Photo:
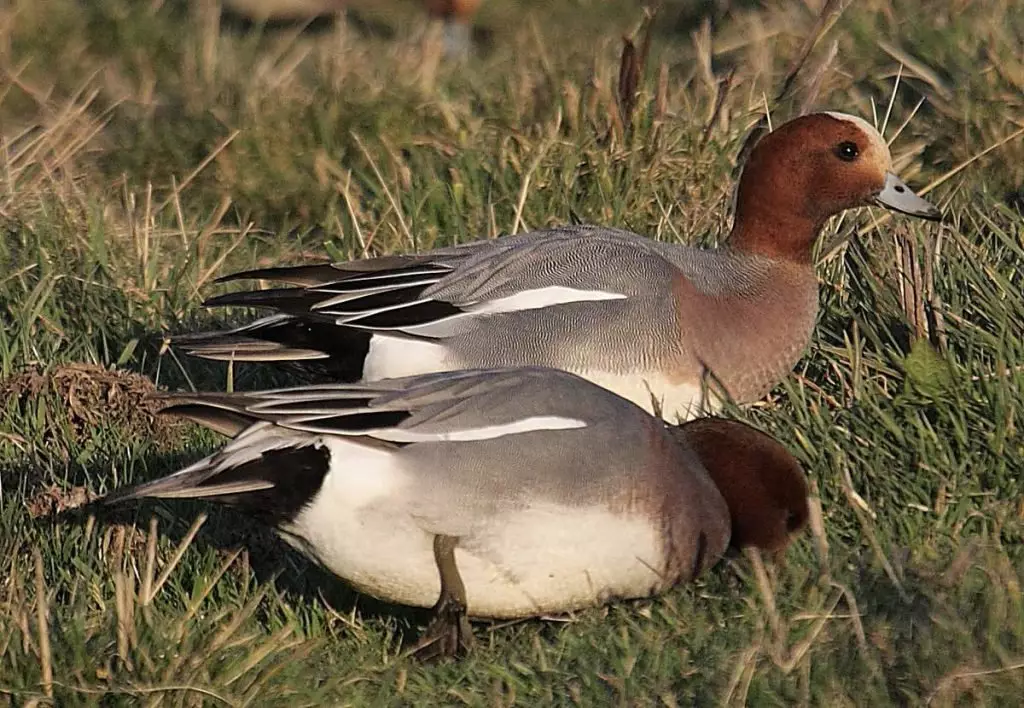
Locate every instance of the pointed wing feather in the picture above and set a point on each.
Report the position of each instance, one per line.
(448, 291)
(585, 260)
(449, 406)
(276, 465)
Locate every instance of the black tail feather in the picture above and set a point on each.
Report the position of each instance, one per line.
(277, 485)
(344, 348)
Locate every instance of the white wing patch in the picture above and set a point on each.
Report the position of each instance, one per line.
(487, 432)
(539, 298)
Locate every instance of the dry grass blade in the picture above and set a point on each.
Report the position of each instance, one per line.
(155, 692)
(200, 597)
(828, 16)
(275, 642)
(764, 586)
(124, 603)
(524, 189)
(179, 552)
(387, 192)
(817, 77)
(724, 86)
(917, 67)
(739, 680)
(858, 626)
(149, 571)
(243, 613)
(949, 681)
(817, 524)
(865, 515)
(207, 275)
(178, 188)
(364, 243)
(43, 625)
(788, 659)
(299, 651)
(632, 66)
(629, 83)
(892, 100)
(911, 283)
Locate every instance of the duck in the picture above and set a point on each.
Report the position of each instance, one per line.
(456, 17)
(501, 493)
(674, 328)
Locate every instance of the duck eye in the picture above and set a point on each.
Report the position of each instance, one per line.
(847, 151)
(792, 521)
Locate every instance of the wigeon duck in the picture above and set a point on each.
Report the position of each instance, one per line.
(457, 16)
(493, 494)
(671, 327)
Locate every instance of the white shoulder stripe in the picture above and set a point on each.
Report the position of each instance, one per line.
(487, 432)
(542, 297)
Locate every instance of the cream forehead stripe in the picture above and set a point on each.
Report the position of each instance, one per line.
(873, 136)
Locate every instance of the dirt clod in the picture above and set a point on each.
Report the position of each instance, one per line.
(78, 398)
(53, 500)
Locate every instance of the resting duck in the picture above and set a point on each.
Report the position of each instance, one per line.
(493, 494)
(673, 328)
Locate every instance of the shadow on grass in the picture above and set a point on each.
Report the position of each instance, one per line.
(269, 558)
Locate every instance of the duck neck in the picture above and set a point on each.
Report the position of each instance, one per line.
(777, 234)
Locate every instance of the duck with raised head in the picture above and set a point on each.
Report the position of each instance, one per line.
(493, 494)
(673, 328)
(457, 19)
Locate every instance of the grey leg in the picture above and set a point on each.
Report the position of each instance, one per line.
(448, 634)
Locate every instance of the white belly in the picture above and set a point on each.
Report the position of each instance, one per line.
(536, 561)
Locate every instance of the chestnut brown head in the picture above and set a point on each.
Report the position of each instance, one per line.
(807, 170)
(763, 485)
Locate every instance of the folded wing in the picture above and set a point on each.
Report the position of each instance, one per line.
(458, 407)
(330, 310)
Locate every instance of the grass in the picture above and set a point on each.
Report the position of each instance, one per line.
(147, 150)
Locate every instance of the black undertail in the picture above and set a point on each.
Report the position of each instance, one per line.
(345, 347)
(297, 474)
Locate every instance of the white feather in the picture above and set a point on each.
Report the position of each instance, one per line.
(357, 476)
(394, 357)
(486, 432)
(539, 298)
(255, 441)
